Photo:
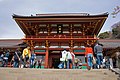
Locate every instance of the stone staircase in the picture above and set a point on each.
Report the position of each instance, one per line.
(56, 74)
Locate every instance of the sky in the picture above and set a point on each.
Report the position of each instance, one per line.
(10, 30)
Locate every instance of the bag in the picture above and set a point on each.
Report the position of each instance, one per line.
(75, 60)
(62, 59)
(60, 65)
(7, 54)
(94, 61)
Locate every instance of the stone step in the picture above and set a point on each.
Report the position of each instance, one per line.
(56, 74)
(116, 70)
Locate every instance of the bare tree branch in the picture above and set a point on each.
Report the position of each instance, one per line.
(116, 11)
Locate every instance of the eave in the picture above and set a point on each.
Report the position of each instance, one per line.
(60, 19)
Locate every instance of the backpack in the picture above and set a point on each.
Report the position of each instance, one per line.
(16, 56)
(7, 54)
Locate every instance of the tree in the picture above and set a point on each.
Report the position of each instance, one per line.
(104, 35)
(113, 34)
(116, 31)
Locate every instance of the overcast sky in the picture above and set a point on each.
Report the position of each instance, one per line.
(9, 28)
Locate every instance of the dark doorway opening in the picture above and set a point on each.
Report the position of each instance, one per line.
(55, 62)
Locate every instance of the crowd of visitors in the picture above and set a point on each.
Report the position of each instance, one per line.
(68, 60)
(25, 59)
(93, 62)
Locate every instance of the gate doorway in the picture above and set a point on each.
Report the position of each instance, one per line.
(56, 62)
(54, 58)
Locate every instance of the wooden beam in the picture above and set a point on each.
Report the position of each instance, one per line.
(26, 28)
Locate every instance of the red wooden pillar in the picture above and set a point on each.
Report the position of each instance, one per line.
(46, 58)
(46, 55)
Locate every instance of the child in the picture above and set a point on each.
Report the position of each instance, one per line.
(76, 62)
(80, 64)
(39, 63)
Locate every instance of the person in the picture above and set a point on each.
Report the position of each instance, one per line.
(104, 63)
(111, 63)
(39, 63)
(32, 59)
(94, 63)
(107, 63)
(73, 58)
(63, 60)
(80, 64)
(1, 60)
(76, 63)
(89, 55)
(16, 58)
(6, 56)
(118, 61)
(70, 59)
(35, 62)
(98, 51)
(26, 55)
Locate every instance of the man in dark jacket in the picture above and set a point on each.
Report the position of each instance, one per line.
(16, 58)
(6, 56)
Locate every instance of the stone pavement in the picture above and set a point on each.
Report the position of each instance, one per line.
(56, 74)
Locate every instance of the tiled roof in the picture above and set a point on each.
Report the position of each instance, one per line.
(110, 43)
(10, 43)
(61, 15)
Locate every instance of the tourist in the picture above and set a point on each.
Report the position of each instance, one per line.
(89, 55)
(80, 64)
(1, 60)
(118, 61)
(104, 62)
(94, 63)
(16, 58)
(21, 63)
(111, 63)
(107, 63)
(39, 63)
(63, 60)
(98, 51)
(6, 56)
(73, 58)
(32, 59)
(70, 56)
(76, 61)
(26, 55)
(35, 62)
